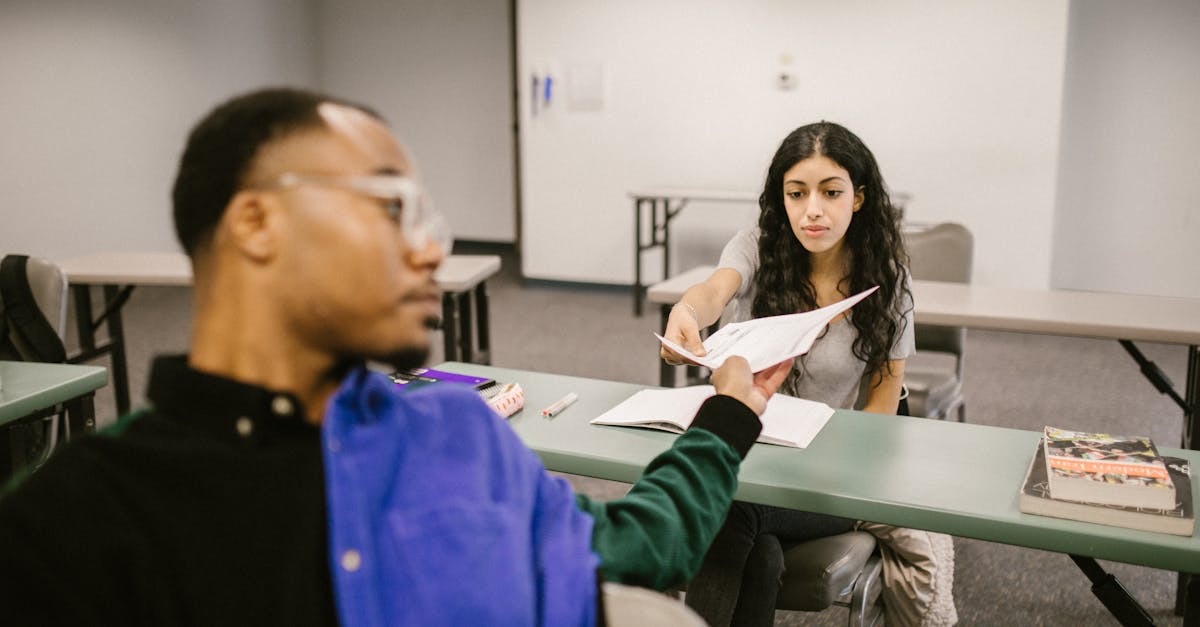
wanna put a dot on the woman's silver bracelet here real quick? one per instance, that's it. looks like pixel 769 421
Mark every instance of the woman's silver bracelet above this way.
pixel 691 309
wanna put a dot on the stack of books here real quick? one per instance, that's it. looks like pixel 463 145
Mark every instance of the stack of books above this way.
pixel 1111 480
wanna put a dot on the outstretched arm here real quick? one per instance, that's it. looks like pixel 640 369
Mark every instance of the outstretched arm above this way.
pixel 657 534
pixel 700 306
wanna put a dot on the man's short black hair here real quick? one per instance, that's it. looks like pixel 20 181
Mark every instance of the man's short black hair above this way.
pixel 222 146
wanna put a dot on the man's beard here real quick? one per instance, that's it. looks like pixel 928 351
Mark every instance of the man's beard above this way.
pixel 406 359
pixel 411 356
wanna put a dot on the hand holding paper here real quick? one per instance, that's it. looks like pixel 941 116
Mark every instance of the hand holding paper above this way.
pixel 734 379
pixel 765 342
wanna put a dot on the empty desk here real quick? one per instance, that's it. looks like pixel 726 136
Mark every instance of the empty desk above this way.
pixel 1123 317
pixel 660 205
pixel 462 279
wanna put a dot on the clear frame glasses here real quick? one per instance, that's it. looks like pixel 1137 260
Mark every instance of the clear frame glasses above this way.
pixel 403 198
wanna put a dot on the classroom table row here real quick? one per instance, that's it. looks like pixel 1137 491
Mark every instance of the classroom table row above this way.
pixel 954 478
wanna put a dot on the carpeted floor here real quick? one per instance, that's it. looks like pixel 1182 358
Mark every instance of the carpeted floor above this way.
pixel 1012 380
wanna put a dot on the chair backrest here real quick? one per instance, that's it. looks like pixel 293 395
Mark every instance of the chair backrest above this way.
pixel 44 325
pixel 941 252
pixel 629 606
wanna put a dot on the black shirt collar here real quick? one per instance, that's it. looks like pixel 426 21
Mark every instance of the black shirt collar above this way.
pixel 224 408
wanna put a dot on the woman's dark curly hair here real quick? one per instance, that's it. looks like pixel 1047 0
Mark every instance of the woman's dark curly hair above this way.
pixel 877 255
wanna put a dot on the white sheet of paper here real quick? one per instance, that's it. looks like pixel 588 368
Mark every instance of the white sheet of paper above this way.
pixel 765 342
pixel 788 421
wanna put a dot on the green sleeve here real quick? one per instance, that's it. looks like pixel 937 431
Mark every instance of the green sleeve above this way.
pixel 657 534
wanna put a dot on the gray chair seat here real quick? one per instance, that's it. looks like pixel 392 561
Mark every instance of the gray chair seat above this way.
pixel 836 570
pixel 934 393
pixel 941 252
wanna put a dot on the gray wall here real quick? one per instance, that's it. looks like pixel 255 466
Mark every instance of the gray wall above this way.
pixel 439 71
pixel 960 100
pixel 1128 217
pixel 98 97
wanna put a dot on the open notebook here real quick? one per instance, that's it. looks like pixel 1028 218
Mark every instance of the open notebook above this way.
pixel 788 421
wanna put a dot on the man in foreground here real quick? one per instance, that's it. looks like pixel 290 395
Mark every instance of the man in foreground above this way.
pixel 275 480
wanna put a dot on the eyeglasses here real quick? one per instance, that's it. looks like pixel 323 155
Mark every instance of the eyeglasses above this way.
pixel 403 198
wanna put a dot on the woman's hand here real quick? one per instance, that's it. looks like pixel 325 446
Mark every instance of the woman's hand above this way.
pixel 734 379
pixel 684 330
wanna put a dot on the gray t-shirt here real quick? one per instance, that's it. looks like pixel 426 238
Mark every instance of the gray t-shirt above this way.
pixel 831 372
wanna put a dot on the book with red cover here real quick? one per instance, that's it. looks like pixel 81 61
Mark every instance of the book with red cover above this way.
pixel 1106 469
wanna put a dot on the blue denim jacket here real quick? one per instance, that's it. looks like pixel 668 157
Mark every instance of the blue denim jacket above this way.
pixel 439 515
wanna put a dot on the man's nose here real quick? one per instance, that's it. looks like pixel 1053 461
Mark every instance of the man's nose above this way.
pixel 431 254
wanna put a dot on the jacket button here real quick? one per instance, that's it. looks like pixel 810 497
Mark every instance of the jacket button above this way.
pixel 282 406
pixel 351 560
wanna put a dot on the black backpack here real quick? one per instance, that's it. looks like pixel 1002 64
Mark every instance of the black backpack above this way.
pixel 25 334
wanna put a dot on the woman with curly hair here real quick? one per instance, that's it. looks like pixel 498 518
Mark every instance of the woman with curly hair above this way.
pixel 827 230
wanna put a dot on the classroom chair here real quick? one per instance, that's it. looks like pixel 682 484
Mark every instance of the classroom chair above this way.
pixel 844 570
pixel 32 334
pixel 941 252
pixel 629 606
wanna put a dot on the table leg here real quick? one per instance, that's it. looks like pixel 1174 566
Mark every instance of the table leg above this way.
pixel 1187 592
pixel 666 372
pixel 466 338
pixel 116 337
pixel 1190 606
pixel 666 239
pixel 115 298
pixel 7 462
pixel 1190 404
pixel 637 257
pixel 482 326
pixel 81 415
pixel 1191 433
pixel 83 317
pixel 656 241
pixel 660 237
pixel 450 326
pixel 1112 594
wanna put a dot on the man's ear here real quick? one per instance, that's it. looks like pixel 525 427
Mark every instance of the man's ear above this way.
pixel 250 223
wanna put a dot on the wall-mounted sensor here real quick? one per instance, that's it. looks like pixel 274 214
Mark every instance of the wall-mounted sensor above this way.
pixel 785 80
